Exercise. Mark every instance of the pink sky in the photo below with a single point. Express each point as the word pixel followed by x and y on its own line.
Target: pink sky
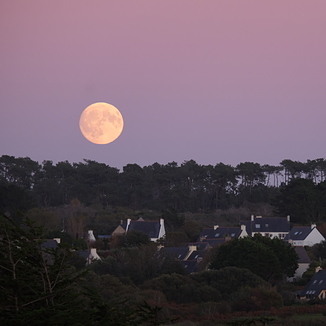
pixel 213 80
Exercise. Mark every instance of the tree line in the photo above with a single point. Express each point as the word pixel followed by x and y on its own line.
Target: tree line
pixel 188 187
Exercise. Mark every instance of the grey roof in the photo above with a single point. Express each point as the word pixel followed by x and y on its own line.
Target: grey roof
pixel 49 244
pixel 151 228
pixel 190 266
pixel 302 254
pixel 299 233
pixel 197 254
pixel 214 242
pixel 199 245
pixel 179 253
pixel 267 224
pixel 104 236
pixel 315 285
pixel 220 232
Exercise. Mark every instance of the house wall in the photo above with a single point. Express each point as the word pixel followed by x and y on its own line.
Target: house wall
pixel 162 229
pixel 244 232
pixel 313 238
pixel 322 294
pixel 298 243
pixel 119 231
pixel 161 233
pixel 92 256
pixel 302 267
pixel 280 235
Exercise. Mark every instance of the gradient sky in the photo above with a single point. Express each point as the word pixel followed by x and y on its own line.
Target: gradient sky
pixel 212 80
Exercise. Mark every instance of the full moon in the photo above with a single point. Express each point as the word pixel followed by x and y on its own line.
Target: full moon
pixel 101 123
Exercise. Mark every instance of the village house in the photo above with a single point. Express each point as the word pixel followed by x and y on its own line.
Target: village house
pixel 177 253
pixel 273 227
pixel 316 288
pixel 303 263
pixel 155 230
pixel 188 256
pixel 304 236
pixel 218 235
pixel 90 255
pixel 49 245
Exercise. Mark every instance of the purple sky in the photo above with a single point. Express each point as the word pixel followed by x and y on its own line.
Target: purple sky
pixel 214 80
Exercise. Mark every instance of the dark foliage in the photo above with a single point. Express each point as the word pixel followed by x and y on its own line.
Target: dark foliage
pixel 40 287
pixel 295 187
pixel 271 259
pixel 301 198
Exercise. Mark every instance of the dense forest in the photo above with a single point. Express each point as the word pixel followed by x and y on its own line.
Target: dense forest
pixel 292 188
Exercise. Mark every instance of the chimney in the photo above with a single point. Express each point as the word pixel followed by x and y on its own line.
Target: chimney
pixel 313 226
pixel 90 236
pixel 243 227
pixel 216 227
pixel 162 228
pixel 58 240
pixel 191 250
pixel 252 218
pixel 128 223
pixel 288 218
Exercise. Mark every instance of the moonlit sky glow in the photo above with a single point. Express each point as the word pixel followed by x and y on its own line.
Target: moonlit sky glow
pixel 215 80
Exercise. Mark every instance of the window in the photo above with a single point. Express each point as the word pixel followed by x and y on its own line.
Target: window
pixel 314 282
pixel 321 281
pixel 257 226
pixel 266 225
pixel 217 235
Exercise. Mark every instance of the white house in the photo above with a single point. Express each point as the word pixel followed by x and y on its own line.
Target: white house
pixel 153 229
pixel 304 236
pixel 272 227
